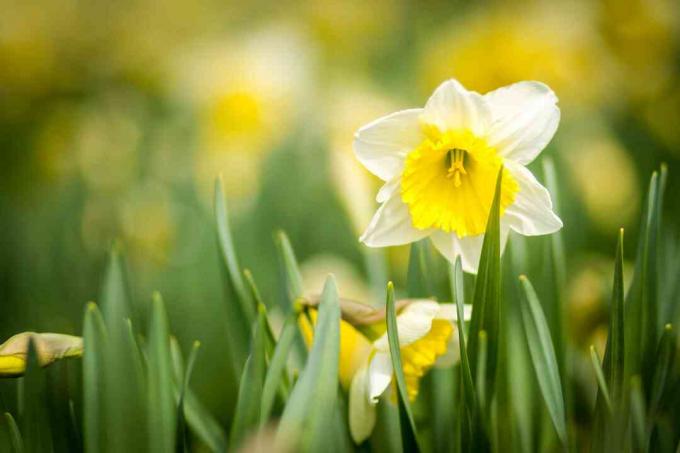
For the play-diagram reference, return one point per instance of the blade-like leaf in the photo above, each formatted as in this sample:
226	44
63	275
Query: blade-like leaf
290	267
641	312
556	274
255	293
15	438
609	419
162	416
115	298
408	428
543	358
35	424
418	284
614	356
308	417
199	419
599	375
458	293
125	424
486	302
480	376
277	367
247	414
638	418
665	362
181	444
94	338
228	252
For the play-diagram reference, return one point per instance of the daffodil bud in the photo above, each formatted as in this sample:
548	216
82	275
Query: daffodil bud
50	347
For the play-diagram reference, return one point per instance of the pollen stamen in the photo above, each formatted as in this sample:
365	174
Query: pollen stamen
455	160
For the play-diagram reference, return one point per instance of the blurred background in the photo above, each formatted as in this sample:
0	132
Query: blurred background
116	118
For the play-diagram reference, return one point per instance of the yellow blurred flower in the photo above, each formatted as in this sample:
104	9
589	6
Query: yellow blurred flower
147	222
349	29
246	95
107	141
555	43
603	173
350	105
643	35
315	271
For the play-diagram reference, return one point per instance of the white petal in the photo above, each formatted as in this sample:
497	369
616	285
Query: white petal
531	213
392	225
361	407
468	248
452	107
450	312
525	118
388	189
413	323
382	145
379	375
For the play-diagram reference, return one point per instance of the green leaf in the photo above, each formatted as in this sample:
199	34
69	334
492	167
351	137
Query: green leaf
203	424
556	274
458	292
408	428
609	427
308	417
277	367
543	358
228	251
247	414
291	271
665	364
487	295
181	442
642	311
35	421
480	376
162	415
614	365
94	339
599	375
15	438
255	293
115	298
124	425
418	274
199	419
638	418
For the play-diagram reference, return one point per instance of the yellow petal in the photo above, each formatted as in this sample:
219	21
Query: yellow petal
418	357
354	346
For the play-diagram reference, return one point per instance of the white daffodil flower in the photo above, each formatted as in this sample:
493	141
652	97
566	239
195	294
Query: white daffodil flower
440	164
427	336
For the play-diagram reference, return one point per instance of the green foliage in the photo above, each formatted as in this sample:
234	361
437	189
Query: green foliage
308	416
519	384
543	357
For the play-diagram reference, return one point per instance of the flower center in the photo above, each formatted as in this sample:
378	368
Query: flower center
455	161
449	181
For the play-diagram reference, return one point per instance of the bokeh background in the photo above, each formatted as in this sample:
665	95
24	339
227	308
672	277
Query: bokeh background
116	118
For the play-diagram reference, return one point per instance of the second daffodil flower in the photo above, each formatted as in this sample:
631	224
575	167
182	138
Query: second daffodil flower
427	338
440	164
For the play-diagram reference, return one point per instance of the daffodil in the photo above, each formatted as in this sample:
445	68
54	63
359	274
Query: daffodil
49	347
427	337
440	164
